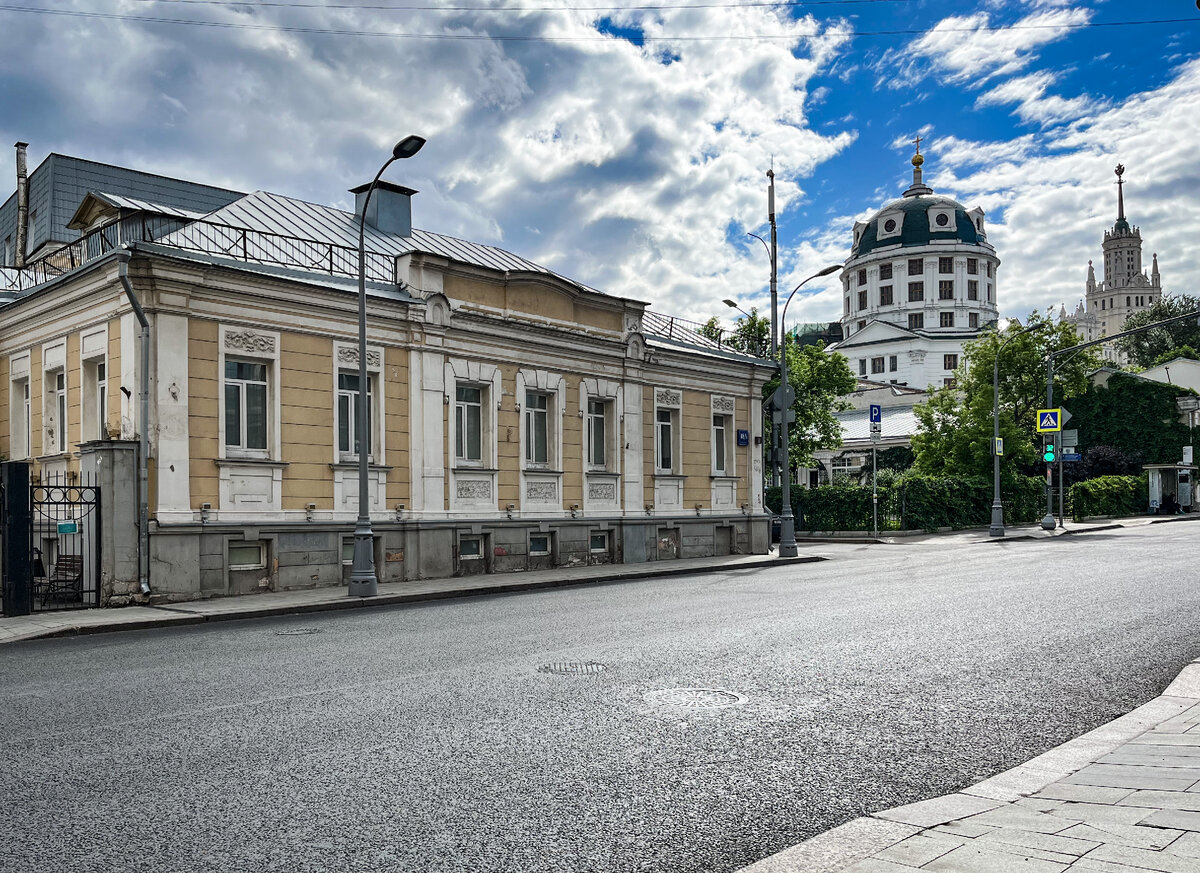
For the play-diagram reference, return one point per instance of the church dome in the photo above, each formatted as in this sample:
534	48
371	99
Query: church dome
918	220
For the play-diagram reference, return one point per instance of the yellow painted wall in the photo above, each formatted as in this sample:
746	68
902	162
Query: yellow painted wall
203	410
306	402
696	420
74	399
35	401
113	413
533	298
396	426
648	445
572	442
509	451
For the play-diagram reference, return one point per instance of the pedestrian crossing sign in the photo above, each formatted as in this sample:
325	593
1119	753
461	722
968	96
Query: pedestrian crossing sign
1049	420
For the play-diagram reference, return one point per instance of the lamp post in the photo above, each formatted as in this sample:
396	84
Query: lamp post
997	526
363	582
787	525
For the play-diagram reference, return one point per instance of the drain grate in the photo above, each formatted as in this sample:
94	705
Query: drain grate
573	668
297	631
692	698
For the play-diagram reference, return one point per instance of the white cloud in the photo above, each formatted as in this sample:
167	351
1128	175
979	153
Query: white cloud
971	50
1033	104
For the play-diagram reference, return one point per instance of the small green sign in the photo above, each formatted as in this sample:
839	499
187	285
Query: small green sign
68	527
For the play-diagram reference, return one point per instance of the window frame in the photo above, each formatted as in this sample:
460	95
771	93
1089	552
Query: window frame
590	419
348	453
252	346
241	448
462	423
877	364
919	264
916	292
537	419
260	564
945	289
946	319
916	321
722	452
540	553
885	295
668	422
949	362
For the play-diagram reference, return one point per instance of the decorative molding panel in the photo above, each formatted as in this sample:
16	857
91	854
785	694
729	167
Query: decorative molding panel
543	492
723	404
249	341
349	355
473	489
602	491
667	397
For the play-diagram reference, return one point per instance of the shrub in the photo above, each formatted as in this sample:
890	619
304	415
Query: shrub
1110	495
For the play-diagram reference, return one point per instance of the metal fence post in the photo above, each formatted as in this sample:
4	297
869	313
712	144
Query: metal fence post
17	538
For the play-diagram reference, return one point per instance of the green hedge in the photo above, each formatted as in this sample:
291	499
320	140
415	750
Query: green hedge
912	502
1110	495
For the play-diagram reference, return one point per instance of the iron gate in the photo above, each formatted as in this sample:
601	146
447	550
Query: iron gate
64	543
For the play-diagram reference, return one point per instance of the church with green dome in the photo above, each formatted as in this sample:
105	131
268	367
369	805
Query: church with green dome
919	283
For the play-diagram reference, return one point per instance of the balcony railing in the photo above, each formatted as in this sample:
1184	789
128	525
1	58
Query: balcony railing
205	237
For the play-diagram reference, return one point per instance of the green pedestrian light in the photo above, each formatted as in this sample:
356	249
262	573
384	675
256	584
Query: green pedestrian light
1048	455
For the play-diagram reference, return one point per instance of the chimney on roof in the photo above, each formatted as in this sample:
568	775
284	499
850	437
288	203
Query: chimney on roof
390	209
22	205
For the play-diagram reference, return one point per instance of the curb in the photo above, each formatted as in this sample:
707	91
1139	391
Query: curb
836	850
178	614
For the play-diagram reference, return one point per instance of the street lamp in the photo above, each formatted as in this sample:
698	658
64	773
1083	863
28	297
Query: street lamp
732	304
362	574
787	526
997	527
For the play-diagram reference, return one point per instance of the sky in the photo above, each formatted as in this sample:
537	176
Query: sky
626	145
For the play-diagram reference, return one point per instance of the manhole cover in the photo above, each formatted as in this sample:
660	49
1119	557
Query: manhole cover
572	668
297	631
693	698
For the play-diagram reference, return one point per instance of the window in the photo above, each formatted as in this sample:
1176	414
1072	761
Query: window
246	406
1127	301
95	401
948	381
56	413
468	428
916	291
989	292
876	365
8	252
101	401
597	427
885	271
847	307
972	289
941	219
945	265
537	427
916	266
721	432
348	411
861	325
972	266
946	289
989	269
973	320
664	447
885	295
892	362
539	544
862	277
946	319
247	556
347	551
21	433
950	362
916	320
598	542
470	548
862	366
862	299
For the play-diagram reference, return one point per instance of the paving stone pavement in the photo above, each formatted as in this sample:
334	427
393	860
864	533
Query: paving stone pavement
1124	798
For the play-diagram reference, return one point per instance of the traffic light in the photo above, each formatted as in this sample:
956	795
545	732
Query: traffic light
1048	456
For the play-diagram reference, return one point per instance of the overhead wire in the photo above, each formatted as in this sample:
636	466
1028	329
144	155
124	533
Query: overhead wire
598	37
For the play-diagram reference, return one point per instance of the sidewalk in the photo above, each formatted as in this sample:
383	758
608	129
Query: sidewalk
90	621
1124	798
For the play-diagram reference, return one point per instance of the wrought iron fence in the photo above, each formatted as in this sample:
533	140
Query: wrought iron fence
206	237
64	543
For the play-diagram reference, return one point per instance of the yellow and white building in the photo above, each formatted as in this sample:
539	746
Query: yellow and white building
518	419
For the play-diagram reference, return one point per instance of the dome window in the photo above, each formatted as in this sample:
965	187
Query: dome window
889	226
942	219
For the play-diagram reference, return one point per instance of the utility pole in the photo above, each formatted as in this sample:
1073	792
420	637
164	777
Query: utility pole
776	447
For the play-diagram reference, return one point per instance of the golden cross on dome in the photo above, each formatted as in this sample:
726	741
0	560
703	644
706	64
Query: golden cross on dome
917	141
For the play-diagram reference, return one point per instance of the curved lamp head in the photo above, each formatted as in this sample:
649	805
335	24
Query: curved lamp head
832	268
730	303
408	147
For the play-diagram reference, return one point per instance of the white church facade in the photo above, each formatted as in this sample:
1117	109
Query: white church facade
919	283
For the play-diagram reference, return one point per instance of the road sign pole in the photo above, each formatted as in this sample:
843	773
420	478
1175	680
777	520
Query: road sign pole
1061	493
875	489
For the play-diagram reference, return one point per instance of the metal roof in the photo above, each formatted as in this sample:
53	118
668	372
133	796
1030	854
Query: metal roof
286	216
137	205
897	422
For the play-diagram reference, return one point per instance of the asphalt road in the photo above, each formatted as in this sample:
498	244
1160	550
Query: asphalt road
426	739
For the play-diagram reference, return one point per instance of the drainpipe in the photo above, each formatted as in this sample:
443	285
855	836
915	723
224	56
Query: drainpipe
22	205
144	435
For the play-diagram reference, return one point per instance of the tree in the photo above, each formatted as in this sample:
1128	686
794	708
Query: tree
1179	352
1144	349
955	425
820	380
750	336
